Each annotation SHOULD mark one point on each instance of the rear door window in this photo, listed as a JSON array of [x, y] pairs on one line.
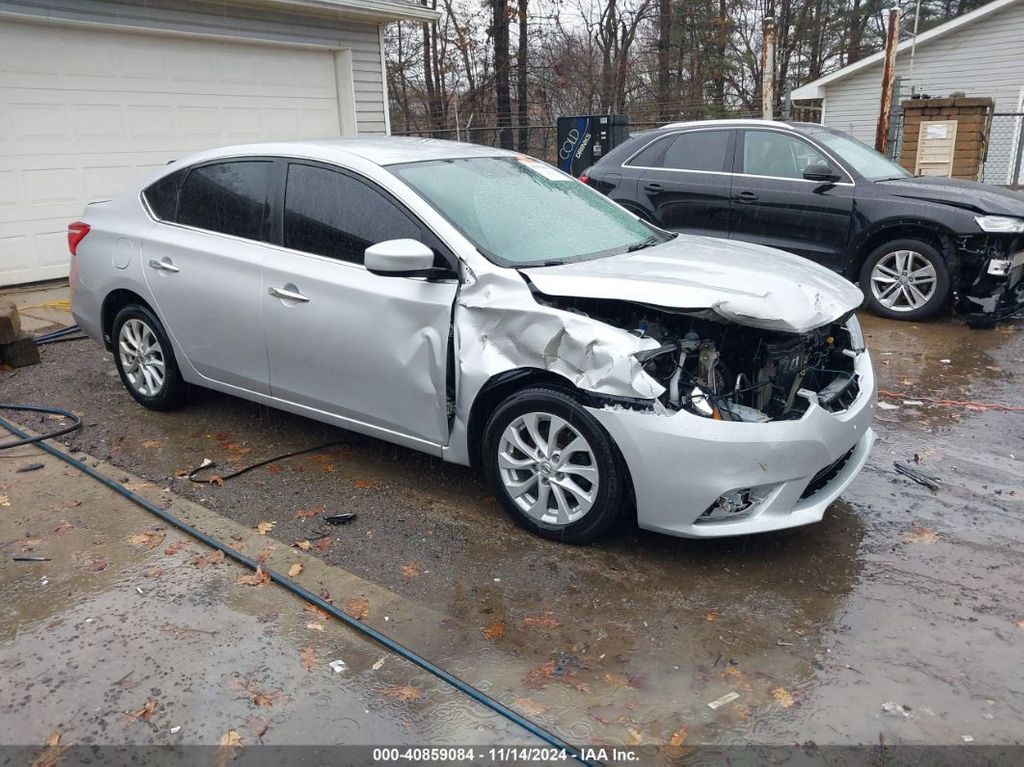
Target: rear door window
[[227, 197], [702, 150], [333, 214]]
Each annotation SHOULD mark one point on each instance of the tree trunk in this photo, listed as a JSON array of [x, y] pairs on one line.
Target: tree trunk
[[665, 110], [502, 86], [522, 93]]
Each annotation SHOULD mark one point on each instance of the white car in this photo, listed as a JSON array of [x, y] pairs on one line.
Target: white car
[[482, 306]]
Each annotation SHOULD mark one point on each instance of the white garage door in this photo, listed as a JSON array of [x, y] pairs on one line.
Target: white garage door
[[84, 113]]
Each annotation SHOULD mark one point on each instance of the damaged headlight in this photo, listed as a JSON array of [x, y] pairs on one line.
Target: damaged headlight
[[856, 334], [1000, 224]]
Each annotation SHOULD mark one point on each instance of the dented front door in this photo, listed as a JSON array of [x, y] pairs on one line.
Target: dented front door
[[342, 340]]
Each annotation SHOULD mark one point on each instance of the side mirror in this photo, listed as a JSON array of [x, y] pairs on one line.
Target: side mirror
[[400, 258], [821, 171]]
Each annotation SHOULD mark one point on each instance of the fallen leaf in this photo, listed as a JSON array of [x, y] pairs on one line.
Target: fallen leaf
[[308, 658], [5, 500], [323, 545], [304, 545], [182, 473], [314, 626], [150, 443], [97, 565], [363, 484], [378, 664], [154, 572], [316, 611], [227, 747], [258, 578], [529, 706], [495, 631], [52, 753], [678, 737], [542, 621], [216, 479], [295, 569], [357, 608], [402, 692], [325, 595], [309, 513], [147, 710], [150, 540], [265, 527], [62, 528], [213, 558], [783, 696], [621, 681], [256, 696], [711, 616], [633, 737], [325, 462], [175, 547], [921, 535], [411, 570], [256, 725], [264, 554]]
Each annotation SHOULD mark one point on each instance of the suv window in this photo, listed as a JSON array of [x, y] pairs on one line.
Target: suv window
[[162, 197], [698, 150], [227, 197], [332, 214], [769, 153]]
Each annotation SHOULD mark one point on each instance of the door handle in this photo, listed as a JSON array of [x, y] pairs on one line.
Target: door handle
[[288, 295], [164, 266], [654, 188], [746, 197]]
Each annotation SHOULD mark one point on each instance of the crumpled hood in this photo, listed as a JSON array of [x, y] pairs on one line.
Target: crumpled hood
[[970, 195], [749, 284]]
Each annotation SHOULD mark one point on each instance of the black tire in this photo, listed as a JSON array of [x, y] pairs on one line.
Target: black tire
[[936, 301], [171, 393], [610, 499]]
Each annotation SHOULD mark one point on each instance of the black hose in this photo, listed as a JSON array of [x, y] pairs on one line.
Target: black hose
[[288, 584], [76, 423], [217, 480]]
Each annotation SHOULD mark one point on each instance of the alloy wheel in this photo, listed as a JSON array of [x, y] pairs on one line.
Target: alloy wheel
[[903, 281], [548, 468], [142, 357]]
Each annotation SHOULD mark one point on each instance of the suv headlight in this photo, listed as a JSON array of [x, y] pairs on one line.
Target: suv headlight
[[1000, 224]]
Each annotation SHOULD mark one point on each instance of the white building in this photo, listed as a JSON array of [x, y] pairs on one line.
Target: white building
[[980, 53], [94, 94]]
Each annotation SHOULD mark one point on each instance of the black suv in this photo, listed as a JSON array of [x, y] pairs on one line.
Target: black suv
[[913, 243]]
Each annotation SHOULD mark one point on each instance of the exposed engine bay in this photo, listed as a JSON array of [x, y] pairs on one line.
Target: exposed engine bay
[[722, 370]]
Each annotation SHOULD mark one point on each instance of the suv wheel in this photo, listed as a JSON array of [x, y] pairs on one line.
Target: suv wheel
[[553, 467], [905, 280], [144, 359]]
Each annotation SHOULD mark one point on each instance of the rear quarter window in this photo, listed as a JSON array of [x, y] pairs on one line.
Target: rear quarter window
[[227, 197], [162, 196]]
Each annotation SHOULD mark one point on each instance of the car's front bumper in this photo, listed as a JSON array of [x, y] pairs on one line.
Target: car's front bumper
[[992, 278], [681, 464]]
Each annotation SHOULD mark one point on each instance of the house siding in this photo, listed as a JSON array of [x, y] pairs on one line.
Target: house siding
[[983, 59], [245, 23]]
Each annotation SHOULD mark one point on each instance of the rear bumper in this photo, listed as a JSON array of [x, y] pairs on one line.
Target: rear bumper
[[87, 309], [682, 464]]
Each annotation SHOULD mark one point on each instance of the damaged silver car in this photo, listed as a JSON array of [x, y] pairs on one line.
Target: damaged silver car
[[481, 306]]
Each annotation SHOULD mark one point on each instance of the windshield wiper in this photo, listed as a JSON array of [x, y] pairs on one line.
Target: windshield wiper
[[653, 240]]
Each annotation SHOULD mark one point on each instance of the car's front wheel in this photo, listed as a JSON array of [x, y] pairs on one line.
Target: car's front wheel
[[553, 467], [144, 359], [905, 280]]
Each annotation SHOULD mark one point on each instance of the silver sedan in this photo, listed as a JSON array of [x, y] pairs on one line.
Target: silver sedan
[[481, 306]]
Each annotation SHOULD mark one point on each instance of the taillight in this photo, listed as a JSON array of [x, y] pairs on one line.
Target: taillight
[[585, 178], [76, 232]]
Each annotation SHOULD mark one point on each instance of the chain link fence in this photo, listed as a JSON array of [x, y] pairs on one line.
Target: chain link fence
[[1004, 154]]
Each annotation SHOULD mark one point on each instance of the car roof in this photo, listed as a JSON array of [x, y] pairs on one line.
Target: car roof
[[797, 127], [380, 150]]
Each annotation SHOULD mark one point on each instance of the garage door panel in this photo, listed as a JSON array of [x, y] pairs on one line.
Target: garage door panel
[[85, 114]]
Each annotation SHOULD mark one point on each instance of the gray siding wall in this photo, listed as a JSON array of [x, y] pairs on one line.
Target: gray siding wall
[[985, 58], [363, 39]]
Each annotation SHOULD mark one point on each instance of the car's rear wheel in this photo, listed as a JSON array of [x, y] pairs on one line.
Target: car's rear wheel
[[145, 361], [905, 279], [553, 467]]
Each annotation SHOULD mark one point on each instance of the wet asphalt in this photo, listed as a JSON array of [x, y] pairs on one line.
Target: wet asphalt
[[900, 617]]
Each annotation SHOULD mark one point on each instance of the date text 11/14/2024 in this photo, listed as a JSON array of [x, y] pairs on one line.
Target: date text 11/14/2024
[[501, 755]]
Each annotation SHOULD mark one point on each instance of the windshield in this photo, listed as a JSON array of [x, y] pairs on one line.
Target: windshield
[[519, 211], [866, 161]]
